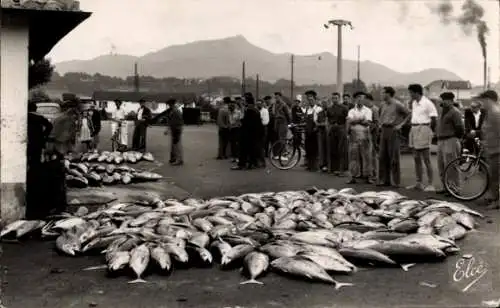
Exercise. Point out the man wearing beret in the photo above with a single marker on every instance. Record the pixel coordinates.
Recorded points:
(491, 131)
(449, 131)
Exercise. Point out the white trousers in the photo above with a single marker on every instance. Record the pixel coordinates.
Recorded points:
(123, 133)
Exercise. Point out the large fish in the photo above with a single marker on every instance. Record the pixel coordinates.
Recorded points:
(255, 264)
(139, 260)
(302, 267)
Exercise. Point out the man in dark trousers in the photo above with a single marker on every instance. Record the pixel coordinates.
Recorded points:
(251, 132)
(39, 129)
(282, 118)
(491, 131)
(95, 117)
(175, 122)
(224, 125)
(141, 126)
(449, 131)
(337, 115)
(473, 120)
(271, 134)
(393, 115)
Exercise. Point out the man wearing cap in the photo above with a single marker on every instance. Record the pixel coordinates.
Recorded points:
(491, 140)
(359, 121)
(474, 119)
(337, 116)
(141, 126)
(223, 124)
(282, 118)
(423, 123)
(175, 122)
(311, 131)
(251, 131)
(393, 115)
(449, 131)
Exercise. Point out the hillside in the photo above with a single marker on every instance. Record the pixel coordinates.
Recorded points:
(223, 57)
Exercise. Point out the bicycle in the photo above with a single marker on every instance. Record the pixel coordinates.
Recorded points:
(463, 168)
(116, 138)
(290, 150)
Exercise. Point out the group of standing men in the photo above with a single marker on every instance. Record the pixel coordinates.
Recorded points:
(360, 139)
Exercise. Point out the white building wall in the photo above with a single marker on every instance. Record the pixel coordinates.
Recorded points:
(14, 38)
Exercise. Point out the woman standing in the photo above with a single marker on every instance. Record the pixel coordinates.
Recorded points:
(86, 130)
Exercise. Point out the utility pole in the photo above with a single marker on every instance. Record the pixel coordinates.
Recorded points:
(358, 70)
(257, 86)
(243, 79)
(339, 23)
(136, 78)
(292, 62)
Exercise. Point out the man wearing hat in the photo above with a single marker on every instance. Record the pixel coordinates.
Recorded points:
(175, 122)
(449, 131)
(141, 126)
(474, 119)
(224, 125)
(491, 140)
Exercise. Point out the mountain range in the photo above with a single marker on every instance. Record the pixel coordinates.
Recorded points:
(224, 57)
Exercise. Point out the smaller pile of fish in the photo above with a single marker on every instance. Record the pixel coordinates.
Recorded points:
(311, 234)
(111, 157)
(82, 175)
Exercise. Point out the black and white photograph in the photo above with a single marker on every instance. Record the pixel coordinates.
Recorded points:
(249, 153)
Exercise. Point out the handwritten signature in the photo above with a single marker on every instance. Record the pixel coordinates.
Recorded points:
(471, 269)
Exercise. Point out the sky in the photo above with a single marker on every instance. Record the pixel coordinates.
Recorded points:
(404, 35)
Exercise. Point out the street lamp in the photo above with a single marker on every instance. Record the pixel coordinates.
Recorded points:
(339, 23)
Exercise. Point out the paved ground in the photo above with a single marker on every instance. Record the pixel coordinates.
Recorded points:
(35, 276)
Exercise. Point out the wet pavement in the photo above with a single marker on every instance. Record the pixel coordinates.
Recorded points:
(36, 276)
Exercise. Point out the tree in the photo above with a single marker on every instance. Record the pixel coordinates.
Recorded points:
(40, 73)
(38, 95)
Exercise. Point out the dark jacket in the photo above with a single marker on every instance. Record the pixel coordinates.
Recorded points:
(146, 115)
(96, 122)
(251, 124)
(470, 121)
(450, 124)
(174, 118)
(39, 129)
(297, 115)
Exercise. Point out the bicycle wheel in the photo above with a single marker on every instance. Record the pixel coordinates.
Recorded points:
(288, 157)
(466, 178)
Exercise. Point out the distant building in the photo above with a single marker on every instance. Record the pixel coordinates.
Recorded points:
(461, 88)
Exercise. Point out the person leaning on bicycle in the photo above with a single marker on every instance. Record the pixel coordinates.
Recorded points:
(118, 124)
(473, 120)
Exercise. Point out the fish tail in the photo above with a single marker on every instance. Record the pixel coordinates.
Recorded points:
(405, 267)
(93, 268)
(252, 281)
(138, 280)
(339, 285)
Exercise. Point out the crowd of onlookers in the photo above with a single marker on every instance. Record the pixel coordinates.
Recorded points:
(354, 137)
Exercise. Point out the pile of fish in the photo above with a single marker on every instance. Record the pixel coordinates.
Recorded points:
(106, 168)
(111, 157)
(314, 234)
(82, 175)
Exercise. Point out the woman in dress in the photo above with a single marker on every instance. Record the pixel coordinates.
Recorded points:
(86, 130)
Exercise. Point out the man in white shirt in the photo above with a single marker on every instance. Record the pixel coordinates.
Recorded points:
(311, 131)
(264, 117)
(118, 122)
(423, 123)
(359, 119)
